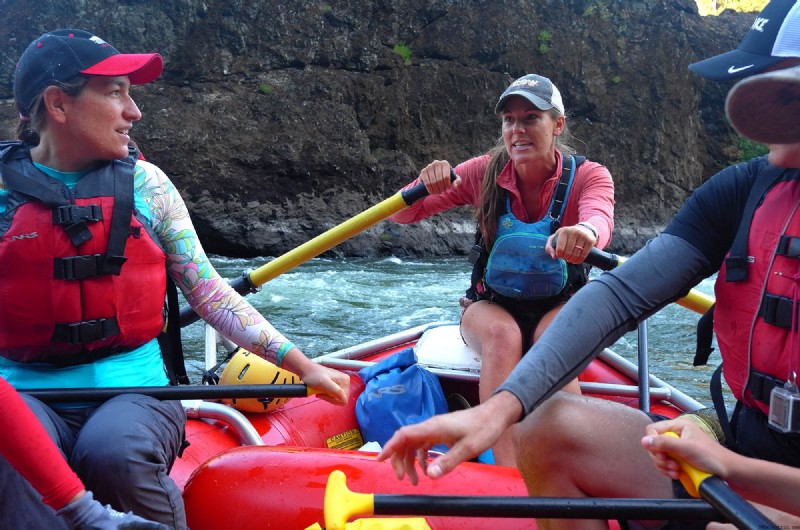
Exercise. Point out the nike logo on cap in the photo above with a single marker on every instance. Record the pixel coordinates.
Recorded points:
(733, 69)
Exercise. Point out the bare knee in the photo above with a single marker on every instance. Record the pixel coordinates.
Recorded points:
(548, 437)
(501, 337)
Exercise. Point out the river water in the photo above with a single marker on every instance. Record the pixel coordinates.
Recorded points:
(328, 304)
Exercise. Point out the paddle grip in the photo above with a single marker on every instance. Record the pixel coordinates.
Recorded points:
(597, 258)
(691, 477)
(412, 195)
(601, 259)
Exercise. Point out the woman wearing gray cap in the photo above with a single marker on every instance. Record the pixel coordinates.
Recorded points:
(90, 234)
(530, 192)
(742, 225)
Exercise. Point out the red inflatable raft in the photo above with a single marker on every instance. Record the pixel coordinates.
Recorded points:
(269, 470)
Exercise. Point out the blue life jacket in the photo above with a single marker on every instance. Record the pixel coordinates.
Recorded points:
(518, 266)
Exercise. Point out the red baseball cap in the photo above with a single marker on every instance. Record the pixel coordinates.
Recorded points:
(60, 55)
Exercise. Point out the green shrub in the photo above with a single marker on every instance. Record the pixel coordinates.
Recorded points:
(545, 37)
(403, 51)
(264, 88)
(747, 149)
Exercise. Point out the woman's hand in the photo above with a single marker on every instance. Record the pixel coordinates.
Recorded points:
(467, 433)
(334, 386)
(572, 243)
(436, 177)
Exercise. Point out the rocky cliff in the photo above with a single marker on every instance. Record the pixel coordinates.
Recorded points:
(278, 120)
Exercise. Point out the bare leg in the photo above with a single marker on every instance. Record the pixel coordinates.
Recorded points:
(576, 446)
(493, 333)
(574, 385)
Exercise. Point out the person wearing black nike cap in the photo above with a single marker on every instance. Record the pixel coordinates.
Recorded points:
(771, 43)
(577, 446)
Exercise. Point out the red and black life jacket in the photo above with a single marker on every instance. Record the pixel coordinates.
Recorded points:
(757, 293)
(83, 275)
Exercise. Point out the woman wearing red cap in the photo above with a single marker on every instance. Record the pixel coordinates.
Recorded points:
(90, 234)
(540, 211)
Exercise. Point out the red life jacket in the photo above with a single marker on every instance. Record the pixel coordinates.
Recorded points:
(83, 275)
(756, 319)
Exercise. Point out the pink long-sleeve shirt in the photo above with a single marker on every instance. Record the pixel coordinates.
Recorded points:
(591, 198)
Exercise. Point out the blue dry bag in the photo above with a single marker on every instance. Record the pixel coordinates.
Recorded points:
(398, 392)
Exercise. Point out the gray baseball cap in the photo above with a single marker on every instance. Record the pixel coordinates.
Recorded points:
(535, 88)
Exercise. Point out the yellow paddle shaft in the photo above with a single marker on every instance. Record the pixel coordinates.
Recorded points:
(694, 301)
(327, 240)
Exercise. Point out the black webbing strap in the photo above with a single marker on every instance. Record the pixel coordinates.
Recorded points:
(170, 339)
(50, 192)
(719, 404)
(738, 259)
(778, 311)
(86, 331)
(789, 246)
(120, 222)
(78, 267)
(761, 385)
(705, 337)
(569, 164)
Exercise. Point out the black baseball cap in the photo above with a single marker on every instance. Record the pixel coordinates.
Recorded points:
(773, 37)
(58, 56)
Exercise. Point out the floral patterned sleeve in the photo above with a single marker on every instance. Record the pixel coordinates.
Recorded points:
(205, 290)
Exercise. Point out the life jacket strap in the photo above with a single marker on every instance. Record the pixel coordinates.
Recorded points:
(777, 310)
(705, 337)
(789, 246)
(78, 267)
(69, 214)
(86, 331)
(761, 385)
(738, 259)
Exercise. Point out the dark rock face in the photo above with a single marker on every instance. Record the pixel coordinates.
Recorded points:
(279, 120)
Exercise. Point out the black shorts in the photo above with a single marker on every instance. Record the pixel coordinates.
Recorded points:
(526, 314)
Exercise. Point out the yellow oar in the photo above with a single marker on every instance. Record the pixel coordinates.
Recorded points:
(249, 282)
(340, 504)
(719, 495)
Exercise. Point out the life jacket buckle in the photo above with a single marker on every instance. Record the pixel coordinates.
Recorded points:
(78, 267)
(86, 331)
